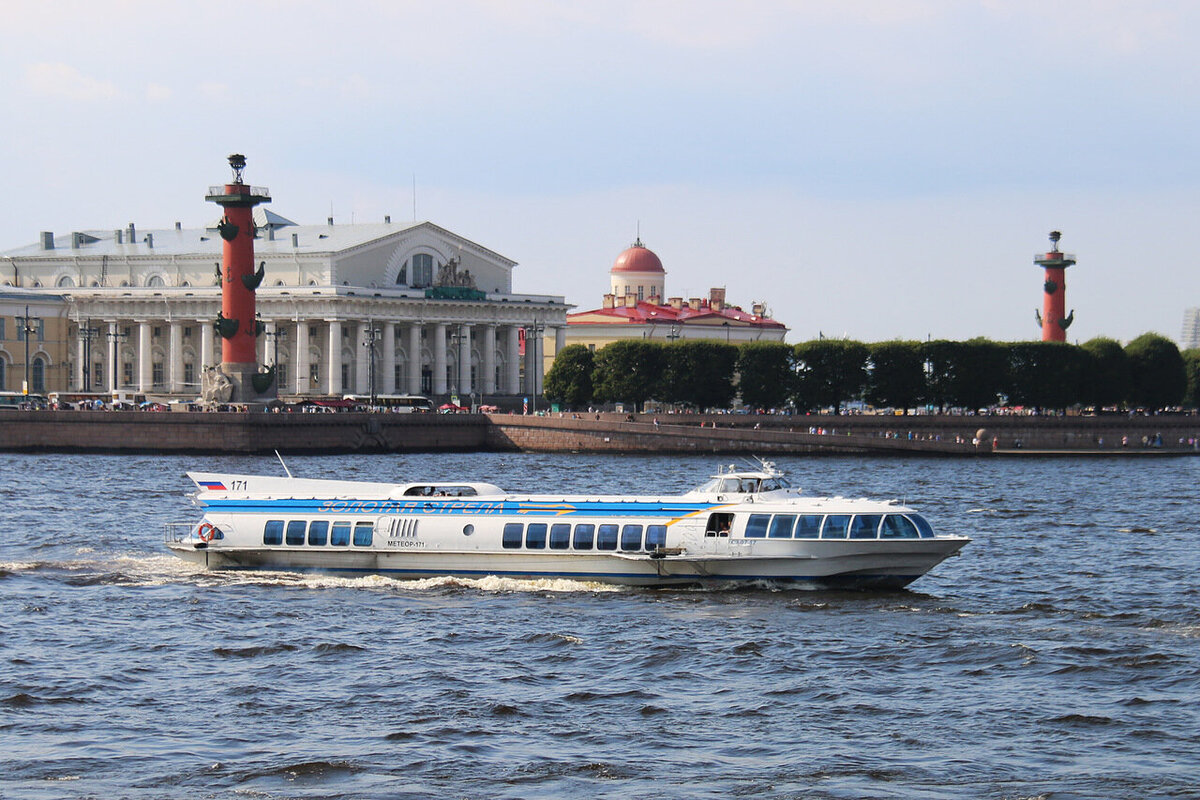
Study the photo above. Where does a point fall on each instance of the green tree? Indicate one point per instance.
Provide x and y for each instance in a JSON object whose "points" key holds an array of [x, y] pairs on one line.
{"points": [[1191, 366], [569, 380], [896, 376], [941, 364], [829, 372], [1157, 371], [1106, 375], [1045, 374], [766, 373], [981, 373], [629, 370], [699, 374]]}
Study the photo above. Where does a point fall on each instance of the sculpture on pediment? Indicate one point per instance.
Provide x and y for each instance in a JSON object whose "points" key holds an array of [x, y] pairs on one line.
{"points": [[448, 275]]}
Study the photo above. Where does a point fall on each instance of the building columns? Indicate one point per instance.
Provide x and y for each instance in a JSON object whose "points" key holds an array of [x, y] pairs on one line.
{"points": [[488, 384], [145, 371], [175, 359], [439, 358], [388, 367], [206, 345], [300, 379], [334, 382], [513, 361], [464, 361], [112, 366], [81, 366], [414, 359]]}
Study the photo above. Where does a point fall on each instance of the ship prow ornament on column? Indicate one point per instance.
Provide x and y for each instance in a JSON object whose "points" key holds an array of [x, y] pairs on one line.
{"points": [[1051, 318], [238, 378]]}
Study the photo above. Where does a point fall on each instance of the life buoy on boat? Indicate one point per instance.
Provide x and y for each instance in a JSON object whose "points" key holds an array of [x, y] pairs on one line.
{"points": [[206, 532]]}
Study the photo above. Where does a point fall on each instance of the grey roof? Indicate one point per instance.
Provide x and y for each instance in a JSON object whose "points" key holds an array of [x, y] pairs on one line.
{"points": [[206, 242]]}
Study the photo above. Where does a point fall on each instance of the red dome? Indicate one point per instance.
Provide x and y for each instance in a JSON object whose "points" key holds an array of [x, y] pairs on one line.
{"points": [[638, 259]]}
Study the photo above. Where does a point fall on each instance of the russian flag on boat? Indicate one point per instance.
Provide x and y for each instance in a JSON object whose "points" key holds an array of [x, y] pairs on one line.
{"points": [[213, 486]]}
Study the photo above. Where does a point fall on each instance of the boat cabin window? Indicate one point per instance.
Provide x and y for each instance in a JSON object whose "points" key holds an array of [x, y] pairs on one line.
{"points": [[363, 533], [631, 537], [922, 525], [535, 536], [584, 533], [781, 526], [560, 536], [340, 535], [606, 537], [440, 491], [808, 526], [273, 532], [718, 524], [318, 532], [756, 526], [898, 527], [656, 536], [512, 535], [295, 531], [835, 526], [865, 526]]}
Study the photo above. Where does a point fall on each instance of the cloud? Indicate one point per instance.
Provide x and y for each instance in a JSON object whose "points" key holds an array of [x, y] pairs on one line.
{"points": [[58, 80]]}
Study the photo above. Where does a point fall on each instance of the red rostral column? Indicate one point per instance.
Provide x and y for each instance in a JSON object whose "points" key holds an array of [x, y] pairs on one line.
{"points": [[1052, 318], [237, 323]]}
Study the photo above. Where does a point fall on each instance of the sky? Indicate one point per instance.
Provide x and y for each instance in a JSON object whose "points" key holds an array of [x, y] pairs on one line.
{"points": [[874, 169]]}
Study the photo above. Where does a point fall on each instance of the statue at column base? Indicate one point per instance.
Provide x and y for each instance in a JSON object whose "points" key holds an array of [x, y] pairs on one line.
{"points": [[237, 383]]}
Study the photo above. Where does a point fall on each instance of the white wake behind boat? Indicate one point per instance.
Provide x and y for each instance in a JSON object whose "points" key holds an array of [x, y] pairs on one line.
{"points": [[740, 526]]}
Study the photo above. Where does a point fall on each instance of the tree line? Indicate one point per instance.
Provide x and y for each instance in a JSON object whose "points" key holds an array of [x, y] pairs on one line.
{"points": [[1149, 372]]}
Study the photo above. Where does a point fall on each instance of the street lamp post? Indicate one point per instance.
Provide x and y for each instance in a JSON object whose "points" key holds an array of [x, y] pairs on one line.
{"points": [[87, 335], [276, 334], [372, 335], [27, 328]]}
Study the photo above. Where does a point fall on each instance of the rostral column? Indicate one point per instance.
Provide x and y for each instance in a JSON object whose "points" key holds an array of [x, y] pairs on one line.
{"points": [[1054, 292], [236, 323]]}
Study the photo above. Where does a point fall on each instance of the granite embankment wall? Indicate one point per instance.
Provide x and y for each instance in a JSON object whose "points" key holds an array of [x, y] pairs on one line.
{"points": [[131, 431]]}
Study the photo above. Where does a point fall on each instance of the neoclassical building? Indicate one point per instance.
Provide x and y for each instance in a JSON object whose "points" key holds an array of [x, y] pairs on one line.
{"points": [[33, 341], [433, 312], [636, 307]]}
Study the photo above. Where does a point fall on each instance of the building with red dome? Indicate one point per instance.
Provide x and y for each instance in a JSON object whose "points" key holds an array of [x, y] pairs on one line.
{"points": [[637, 307]]}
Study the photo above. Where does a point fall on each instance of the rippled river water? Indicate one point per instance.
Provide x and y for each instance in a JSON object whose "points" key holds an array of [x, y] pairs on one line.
{"points": [[1058, 656]]}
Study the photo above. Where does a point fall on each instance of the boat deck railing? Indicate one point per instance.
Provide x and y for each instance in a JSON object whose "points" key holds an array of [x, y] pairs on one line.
{"points": [[177, 531]]}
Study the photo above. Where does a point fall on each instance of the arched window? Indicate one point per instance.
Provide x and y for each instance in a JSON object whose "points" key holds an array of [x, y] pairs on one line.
{"points": [[422, 270], [155, 280], [37, 375], [402, 278], [3, 374], [65, 280]]}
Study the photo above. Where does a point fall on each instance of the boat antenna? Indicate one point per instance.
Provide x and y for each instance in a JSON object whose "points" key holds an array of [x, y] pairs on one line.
{"points": [[285, 469]]}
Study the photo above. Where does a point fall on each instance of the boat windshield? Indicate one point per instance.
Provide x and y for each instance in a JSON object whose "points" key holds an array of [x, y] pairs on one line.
{"points": [[743, 484]]}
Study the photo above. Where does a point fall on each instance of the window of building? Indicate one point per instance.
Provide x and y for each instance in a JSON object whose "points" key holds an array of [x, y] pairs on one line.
{"points": [[314, 374], [158, 373], [339, 536], [295, 531], [345, 377], [3, 374], [641, 293], [97, 374], [363, 533], [535, 536], [187, 331], [422, 270], [3, 336], [273, 532], [318, 533], [65, 281], [156, 332], [398, 375], [156, 280], [312, 331], [37, 375], [127, 373], [402, 278], [583, 536], [38, 325], [189, 372], [281, 374], [511, 537]]}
